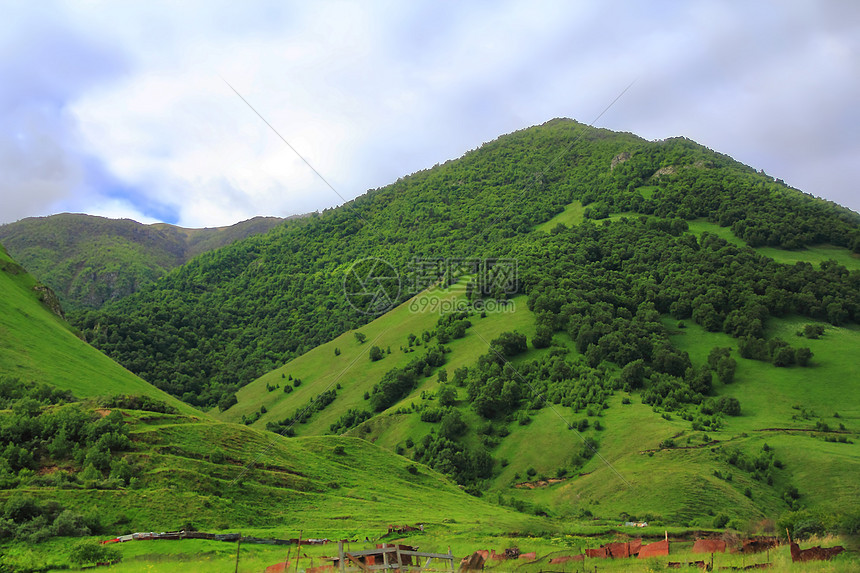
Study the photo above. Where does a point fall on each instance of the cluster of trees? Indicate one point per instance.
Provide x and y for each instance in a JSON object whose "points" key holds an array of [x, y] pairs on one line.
{"points": [[137, 402], [775, 350], [316, 404], [452, 326], [467, 466], [689, 181], [31, 431], [26, 519], [761, 467], [350, 419], [398, 382], [43, 426], [608, 285]]}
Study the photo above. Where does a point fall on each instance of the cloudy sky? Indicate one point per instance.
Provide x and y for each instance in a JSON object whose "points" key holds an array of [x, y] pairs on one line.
{"points": [[122, 108]]}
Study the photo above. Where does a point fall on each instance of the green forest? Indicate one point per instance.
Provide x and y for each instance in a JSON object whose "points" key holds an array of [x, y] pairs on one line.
{"points": [[213, 325]]}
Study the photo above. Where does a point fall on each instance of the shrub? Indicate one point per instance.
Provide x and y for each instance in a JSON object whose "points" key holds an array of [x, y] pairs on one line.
{"points": [[86, 552]]}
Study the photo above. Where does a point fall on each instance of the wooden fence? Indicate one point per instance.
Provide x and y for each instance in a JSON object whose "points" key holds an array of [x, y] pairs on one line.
{"points": [[392, 557]]}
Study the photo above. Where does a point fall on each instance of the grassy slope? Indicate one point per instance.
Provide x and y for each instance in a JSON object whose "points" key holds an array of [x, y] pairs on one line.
{"points": [[675, 484], [38, 345], [321, 369], [774, 397], [296, 485], [572, 215], [815, 255]]}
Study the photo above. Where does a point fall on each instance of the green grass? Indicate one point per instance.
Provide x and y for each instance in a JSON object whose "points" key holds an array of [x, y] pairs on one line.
{"points": [[36, 344], [796, 398], [571, 216], [204, 556], [672, 486], [815, 254], [288, 492], [321, 369], [294, 485], [647, 190]]}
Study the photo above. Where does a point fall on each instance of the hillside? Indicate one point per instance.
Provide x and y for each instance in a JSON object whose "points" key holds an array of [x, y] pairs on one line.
{"points": [[90, 260], [144, 470], [38, 345], [230, 315], [653, 449]]}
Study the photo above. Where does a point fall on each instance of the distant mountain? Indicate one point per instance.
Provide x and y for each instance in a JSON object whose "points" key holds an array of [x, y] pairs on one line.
{"points": [[90, 260]]}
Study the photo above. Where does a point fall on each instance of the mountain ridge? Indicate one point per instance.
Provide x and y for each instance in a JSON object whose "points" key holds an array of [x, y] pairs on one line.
{"points": [[89, 260]]}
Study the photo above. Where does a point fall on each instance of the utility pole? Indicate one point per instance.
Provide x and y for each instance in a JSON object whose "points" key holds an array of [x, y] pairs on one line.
{"points": [[238, 545]]}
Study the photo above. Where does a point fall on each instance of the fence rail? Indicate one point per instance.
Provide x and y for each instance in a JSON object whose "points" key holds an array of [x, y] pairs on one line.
{"points": [[392, 558]]}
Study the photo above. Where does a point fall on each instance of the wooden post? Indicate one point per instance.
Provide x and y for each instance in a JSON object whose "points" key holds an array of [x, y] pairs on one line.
{"points": [[238, 545], [287, 559], [385, 555], [451, 560], [298, 552], [340, 557], [357, 562]]}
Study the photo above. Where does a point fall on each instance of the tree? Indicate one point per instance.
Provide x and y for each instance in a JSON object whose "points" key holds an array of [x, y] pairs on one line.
{"points": [[376, 353], [447, 395], [510, 343], [452, 425], [633, 374], [729, 405], [543, 336], [360, 337], [227, 401], [802, 356], [86, 552], [700, 380], [784, 356]]}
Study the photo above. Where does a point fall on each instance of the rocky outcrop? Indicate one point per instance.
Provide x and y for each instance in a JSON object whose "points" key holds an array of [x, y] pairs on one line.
{"points": [[618, 159], [49, 299]]}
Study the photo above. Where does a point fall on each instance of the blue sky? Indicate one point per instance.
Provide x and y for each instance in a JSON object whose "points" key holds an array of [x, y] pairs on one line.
{"points": [[119, 109]]}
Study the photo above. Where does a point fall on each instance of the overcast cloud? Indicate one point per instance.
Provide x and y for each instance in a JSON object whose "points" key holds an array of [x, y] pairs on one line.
{"points": [[119, 109]]}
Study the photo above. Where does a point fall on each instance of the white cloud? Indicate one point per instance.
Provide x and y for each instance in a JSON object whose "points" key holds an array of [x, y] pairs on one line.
{"points": [[368, 92]]}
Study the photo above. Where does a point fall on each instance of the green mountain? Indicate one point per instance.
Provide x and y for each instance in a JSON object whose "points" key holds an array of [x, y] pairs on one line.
{"points": [[39, 345], [89, 260], [230, 315], [577, 327]]}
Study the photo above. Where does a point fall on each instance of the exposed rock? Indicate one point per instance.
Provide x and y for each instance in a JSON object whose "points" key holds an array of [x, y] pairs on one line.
{"points": [[49, 299], [618, 159]]}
